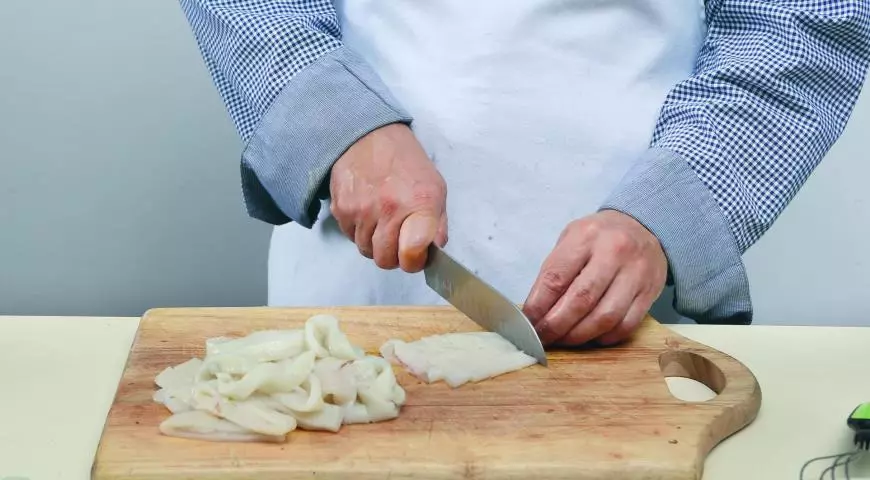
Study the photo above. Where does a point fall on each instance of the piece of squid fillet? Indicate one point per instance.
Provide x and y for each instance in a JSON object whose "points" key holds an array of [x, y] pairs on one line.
{"points": [[457, 358], [200, 425]]}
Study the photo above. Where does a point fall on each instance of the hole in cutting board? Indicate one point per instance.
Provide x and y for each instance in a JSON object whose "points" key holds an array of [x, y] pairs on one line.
{"points": [[691, 377], [689, 390]]}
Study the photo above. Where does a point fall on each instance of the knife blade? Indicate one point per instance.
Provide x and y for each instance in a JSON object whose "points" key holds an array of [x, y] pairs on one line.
{"points": [[482, 303]]}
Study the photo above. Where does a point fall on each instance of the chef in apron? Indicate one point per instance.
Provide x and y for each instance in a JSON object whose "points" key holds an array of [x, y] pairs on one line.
{"points": [[512, 132]]}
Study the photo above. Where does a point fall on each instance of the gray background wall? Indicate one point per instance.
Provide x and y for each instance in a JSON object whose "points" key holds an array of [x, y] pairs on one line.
{"points": [[119, 183]]}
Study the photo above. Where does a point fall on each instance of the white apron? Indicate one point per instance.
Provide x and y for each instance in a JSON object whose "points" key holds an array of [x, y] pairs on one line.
{"points": [[532, 111]]}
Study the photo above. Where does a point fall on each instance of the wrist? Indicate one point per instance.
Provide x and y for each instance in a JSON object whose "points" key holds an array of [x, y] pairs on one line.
{"points": [[315, 118], [665, 195]]}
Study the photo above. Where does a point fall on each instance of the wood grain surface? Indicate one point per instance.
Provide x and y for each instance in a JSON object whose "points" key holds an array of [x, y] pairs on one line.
{"points": [[592, 414]]}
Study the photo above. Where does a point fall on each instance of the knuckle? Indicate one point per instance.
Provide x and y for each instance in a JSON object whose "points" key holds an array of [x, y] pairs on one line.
{"points": [[386, 249], [424, 196], [550, 329], [608, 319], [429, 194], [535, 312], [622, 243], [389, 204], [363, 242], [335, 206], [387, 238], [583, 228], [341, 209], [583, 298], [577, 336], [590, 226], [553, 281], [569, 231], [362, 206], [576, 226]]}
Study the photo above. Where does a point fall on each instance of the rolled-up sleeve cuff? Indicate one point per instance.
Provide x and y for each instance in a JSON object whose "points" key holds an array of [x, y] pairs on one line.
{"points": [[664, 194], [318, 115]]}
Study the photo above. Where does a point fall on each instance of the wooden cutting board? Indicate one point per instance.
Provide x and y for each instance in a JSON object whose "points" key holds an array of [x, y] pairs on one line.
{"points": [[592, 414]]}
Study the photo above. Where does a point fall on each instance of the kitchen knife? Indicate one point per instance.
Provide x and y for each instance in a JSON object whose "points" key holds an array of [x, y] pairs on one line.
{"points": [[481, 303]]}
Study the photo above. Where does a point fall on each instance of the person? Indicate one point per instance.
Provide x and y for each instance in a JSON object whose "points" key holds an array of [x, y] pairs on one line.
{"points": [[580, 156]]}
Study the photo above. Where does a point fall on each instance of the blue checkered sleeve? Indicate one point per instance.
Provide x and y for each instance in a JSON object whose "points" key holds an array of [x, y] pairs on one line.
{"points": [[297, 96], [774, 85]]}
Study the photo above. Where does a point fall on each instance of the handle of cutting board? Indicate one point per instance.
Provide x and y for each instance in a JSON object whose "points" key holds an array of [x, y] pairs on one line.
{"points": [[738, 394], [732, 381]]}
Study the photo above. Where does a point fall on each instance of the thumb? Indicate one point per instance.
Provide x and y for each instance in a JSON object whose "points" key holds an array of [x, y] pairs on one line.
{"points": [[417, 233]]}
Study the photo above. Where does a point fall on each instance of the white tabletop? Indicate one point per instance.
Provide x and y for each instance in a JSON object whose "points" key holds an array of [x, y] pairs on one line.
{"points": [[59, 376]]}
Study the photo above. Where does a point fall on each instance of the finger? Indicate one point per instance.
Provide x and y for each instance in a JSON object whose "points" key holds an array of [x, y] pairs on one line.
{"points": [[607, 314], [558, 271], [345, 222], [415, 236], [338, 206], [385, 243], [441, 234], [636, 313], [365, 228], [629, 324], [581, 298], [366, 220]]}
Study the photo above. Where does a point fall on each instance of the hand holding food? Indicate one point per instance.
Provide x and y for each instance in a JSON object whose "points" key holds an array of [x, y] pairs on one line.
{"points": [[599, 281]]}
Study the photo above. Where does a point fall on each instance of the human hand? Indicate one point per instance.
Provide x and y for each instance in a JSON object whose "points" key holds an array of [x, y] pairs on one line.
{"points": [[599, 281], [388, 197]]}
